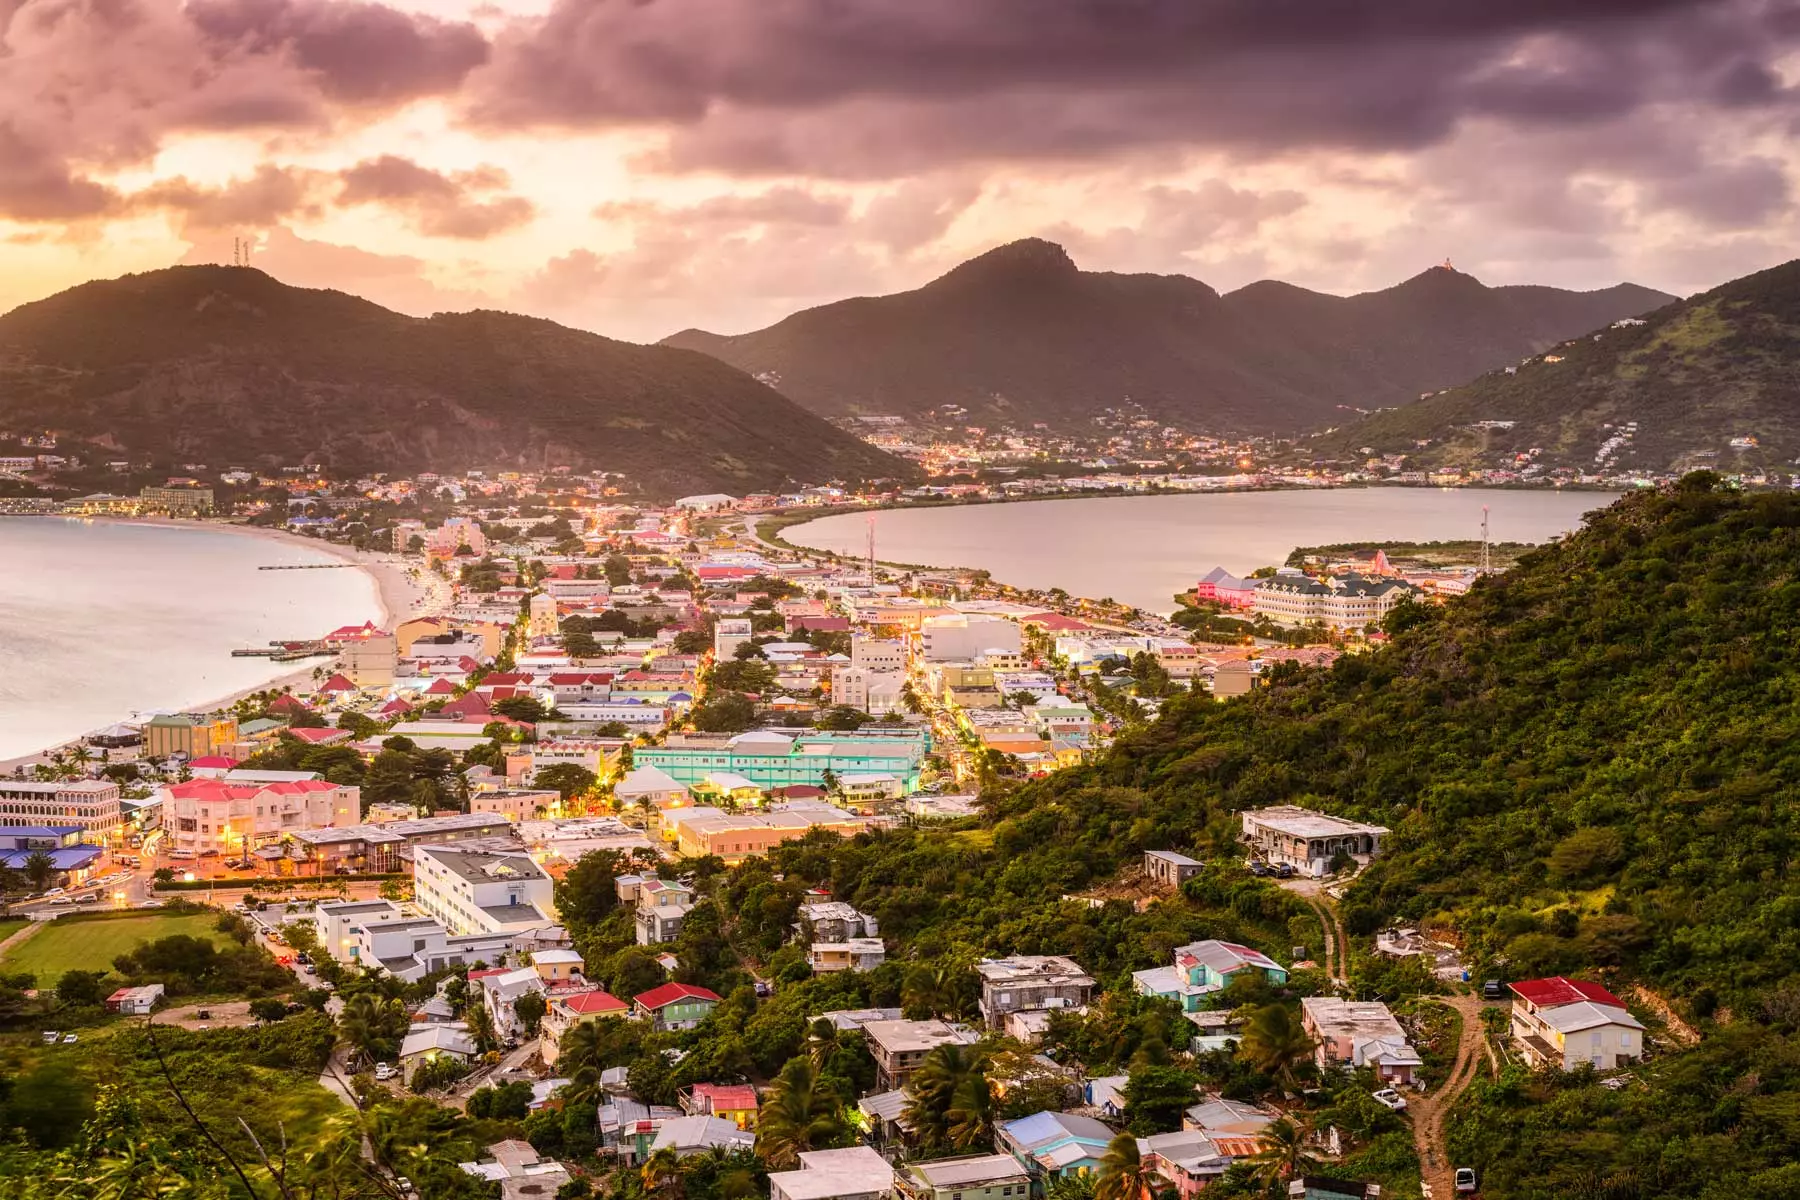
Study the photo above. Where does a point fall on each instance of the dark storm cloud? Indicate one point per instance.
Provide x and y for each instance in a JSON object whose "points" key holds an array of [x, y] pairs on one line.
{"points": [[903, 81], [455, 205]]}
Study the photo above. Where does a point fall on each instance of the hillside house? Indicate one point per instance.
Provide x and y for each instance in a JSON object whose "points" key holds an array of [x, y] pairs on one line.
{"points": [[1167, 869], [899, 1047], [1564, 1023], [1202, 968], [1308, 841], [1031, 983], [1360, 1033]]}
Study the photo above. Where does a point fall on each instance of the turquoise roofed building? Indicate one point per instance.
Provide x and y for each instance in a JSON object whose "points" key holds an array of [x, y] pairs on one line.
{"points": [[1056, 1145], [813, 758]]}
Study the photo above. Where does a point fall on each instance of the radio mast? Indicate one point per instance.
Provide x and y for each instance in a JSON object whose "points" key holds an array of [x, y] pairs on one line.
{"points": [[1487, 566]]}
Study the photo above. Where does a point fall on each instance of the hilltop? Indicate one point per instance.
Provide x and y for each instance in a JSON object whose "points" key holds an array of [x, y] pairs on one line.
{"points": [[1696, 376], [228, 365], [1021, 334]]}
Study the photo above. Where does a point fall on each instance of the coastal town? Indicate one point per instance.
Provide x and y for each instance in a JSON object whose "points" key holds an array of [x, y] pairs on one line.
{"points": [[524, 802]]}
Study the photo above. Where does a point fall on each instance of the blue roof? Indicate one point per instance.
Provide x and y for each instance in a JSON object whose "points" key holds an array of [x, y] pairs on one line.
{"points": [[39, 831], [63, 858]]}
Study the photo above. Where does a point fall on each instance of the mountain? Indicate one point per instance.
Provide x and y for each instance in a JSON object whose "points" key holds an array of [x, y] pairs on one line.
{"points": [[1699, 378], [227, 365], [1022, 335]]}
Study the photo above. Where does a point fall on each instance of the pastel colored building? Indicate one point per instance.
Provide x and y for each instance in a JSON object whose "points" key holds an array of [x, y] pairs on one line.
{"points": [[675, 1005], [215, 816], [1203, 968], [772, 760], [1565, 1023]]}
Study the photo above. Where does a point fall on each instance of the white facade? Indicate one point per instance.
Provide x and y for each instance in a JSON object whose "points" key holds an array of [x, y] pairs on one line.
{"points": [[543, 616], [877, 654], [964, 637], [1308, 840], [471, 891], [728, 635], [874, 692]]}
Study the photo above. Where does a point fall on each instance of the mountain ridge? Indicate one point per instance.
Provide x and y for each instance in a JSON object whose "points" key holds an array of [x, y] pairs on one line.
{"points": [[228, 364], [1021, 334]]}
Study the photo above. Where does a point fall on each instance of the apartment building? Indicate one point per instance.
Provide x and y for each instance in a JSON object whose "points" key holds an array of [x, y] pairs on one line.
{"points": [[1031, 983], [877, 693], [389, 845], [93, 804], [474, 891], [1307, 840], [899, 1047], [191, 735], [661, 907], [773, 760], [214, 816], [965, 637], [1294, 599]]}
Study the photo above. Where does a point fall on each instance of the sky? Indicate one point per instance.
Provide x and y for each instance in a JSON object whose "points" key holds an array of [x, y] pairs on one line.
{"points": [[636, 167]]}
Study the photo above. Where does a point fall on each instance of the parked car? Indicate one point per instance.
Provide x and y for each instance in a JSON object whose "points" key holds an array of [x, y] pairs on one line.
{"points": [[1284, 870], [1465, 1179], [151, 904], [1493, 989], [203, 1015], [51, 1036], [385, 1071], [54, 892], [61, 900], [1391, 1099], [1257, 868], [69, 1039]]}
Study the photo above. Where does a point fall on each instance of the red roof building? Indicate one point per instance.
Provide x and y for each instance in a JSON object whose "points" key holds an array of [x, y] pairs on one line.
{"points": [[351, 633], [320, 737], [1557, 991], [214, 762], [337, 683], [287, 704], [441, 687], [593, 1004], [673, 993]]}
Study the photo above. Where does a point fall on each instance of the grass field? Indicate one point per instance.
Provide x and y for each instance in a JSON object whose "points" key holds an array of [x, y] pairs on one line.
{"points": [[92, 945], [11, 925]]}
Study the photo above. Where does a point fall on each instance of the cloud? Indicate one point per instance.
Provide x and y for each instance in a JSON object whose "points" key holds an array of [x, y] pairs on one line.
{"points": [[396, 281], [270, 195], [883, 87], [438, 204]]}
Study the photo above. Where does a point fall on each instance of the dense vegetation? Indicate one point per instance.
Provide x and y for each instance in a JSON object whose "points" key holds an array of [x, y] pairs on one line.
{"points": [[1696, 375], [1020, 335], [201, 363]]}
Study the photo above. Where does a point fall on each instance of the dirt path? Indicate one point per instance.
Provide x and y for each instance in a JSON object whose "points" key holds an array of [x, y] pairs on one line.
{"points": [[12, 941], [1337, 941], [1430, 1110]]}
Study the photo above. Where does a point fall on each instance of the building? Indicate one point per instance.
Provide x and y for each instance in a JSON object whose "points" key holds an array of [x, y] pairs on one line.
{"points": [[878, 654], [675, 1005], [1309, 841], [428, 1043], [877, 693], [1165, 868], [977, 1177], [734, 1102], [1031, 983], [1055, 1145], [543, 616], [688, 1136], [853, 1173], [567, 1011], [1222, 587], [1338, 602], [501, 992], [370, 662], [661, 907], [1189, 1160], [213, 816], [457, 535], [1203, 968], [91, 804], [519, 1172], [337, 921], [965, 637], [1324, 1187], [835, 921], [735, 836], [728, 634], [771, 760], [852, 954], [183, 498], [472, 891], [899, 1047], [1564, 1023], [135, 1001], [190, 735], [1359, 1033], [389, 846]]}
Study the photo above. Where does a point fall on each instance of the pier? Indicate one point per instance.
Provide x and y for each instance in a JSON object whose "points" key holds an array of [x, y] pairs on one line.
{"points": [[284, 651], [337, 566]]}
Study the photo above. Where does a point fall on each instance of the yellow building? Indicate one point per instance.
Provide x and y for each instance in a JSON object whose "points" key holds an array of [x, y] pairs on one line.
{"points": [[185, 499], [192, 734]]}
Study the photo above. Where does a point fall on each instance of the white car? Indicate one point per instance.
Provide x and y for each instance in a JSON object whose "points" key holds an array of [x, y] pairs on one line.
{"points": [[385, 1071], [1465, 1179], [51, 1036], [1391, 1099], [69, 1039]]}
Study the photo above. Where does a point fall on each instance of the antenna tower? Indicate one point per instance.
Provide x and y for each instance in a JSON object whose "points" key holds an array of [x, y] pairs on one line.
{"points": [[871, 549], [1487, 566]]}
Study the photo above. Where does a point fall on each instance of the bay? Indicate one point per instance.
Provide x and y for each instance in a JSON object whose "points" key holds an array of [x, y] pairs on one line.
{"points": [[1142, 550], [102, 619]]}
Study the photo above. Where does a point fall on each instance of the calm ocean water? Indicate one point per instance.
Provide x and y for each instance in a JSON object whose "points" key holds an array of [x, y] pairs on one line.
{"points": [[1144, 549], [99, 620]]}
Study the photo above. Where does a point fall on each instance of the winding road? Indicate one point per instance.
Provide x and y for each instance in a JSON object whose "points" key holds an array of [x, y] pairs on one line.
{"points": [[1430, 1111]]}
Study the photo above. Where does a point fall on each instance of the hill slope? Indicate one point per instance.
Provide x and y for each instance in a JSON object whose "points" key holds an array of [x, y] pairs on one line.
{"points": [[227, 365], [1021, 334], [1723, 365]]}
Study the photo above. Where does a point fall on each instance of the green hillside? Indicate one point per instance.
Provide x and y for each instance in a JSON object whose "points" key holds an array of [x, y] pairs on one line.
{"points": [[227, 366], [1697, 375]]}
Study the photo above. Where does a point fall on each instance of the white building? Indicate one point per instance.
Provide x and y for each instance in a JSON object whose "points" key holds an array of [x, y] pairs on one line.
{"points": [[964, 637], [473, 891], [728, 635], [854, 1173], [1308, 841], [92, 804], [1295, 599], [1565, 1023], [543, 616], [874, 692], [877, 654]]}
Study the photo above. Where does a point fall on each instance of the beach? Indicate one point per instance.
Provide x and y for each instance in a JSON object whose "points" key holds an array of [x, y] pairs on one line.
{"points": [[401, 591]]}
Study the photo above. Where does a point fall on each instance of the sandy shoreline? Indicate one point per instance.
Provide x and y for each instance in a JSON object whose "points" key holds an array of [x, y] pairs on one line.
{"points": [[398, 595]]}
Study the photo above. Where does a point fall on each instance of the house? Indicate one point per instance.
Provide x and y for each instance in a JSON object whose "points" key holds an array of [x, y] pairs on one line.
{"points": [[1309, 841], [1202, 968], [1321, 1187], [1051, 1145], [1220, 1117], [884, 1116], [1165, 868], [521, 1174], [135, 1001], [835, 921], [977, 1177], [1031, 983], [688, 1136], [427, 1043], [1222, 587], [1190, 1160], [1106, 1094], [1564, 1023], [1360, 1033], [567, 1011], [854, 1173], [627, 1128], [557, 967], [899, 1047], [501, 990], [661, 906], [856, 954], [675, 1005], [734, 1102]]}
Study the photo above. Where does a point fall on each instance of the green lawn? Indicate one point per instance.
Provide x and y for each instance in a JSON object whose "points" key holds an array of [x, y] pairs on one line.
{"points": [[11, 925], [92, 945]]}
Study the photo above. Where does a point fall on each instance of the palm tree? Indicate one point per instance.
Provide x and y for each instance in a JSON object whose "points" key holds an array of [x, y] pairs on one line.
{"points": [[933, 989], [1283, 1154], [40, 868], [661, 1174], [1123, 1173], [371, 1026], [802, 1112], [935, 1090], [579, 1057], [971, 1117], [1275, 1043]]}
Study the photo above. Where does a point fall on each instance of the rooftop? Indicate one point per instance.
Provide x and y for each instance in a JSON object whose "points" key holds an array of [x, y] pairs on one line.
{"points": [[1300, 822]]}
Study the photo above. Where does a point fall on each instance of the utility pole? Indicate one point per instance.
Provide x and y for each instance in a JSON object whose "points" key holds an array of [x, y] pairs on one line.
{"points": [[1487, 566], [871, 550]]}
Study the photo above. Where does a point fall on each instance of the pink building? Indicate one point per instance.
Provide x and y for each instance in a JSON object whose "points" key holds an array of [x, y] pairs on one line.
{"points": [[211, 816], [1222, 587]]}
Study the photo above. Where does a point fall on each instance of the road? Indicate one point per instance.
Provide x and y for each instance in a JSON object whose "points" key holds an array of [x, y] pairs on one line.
{"points": [[1431, 1111], [1337, 940]]}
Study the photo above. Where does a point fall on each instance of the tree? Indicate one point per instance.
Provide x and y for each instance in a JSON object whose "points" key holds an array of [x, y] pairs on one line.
{"points": [[1123, 1173], [842, 717], [521, 708], [1156, 1097], [969, 1123], [40, 868], [82, 987], [530, 1009], [723, 712], [618, 570], [1274, 1042], [1284, 1153], [586, 894], [507, 1102], [801, 1112], [268, 1010], [569, 779], [389, 779], [372, 1027], [938, 1091]]}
